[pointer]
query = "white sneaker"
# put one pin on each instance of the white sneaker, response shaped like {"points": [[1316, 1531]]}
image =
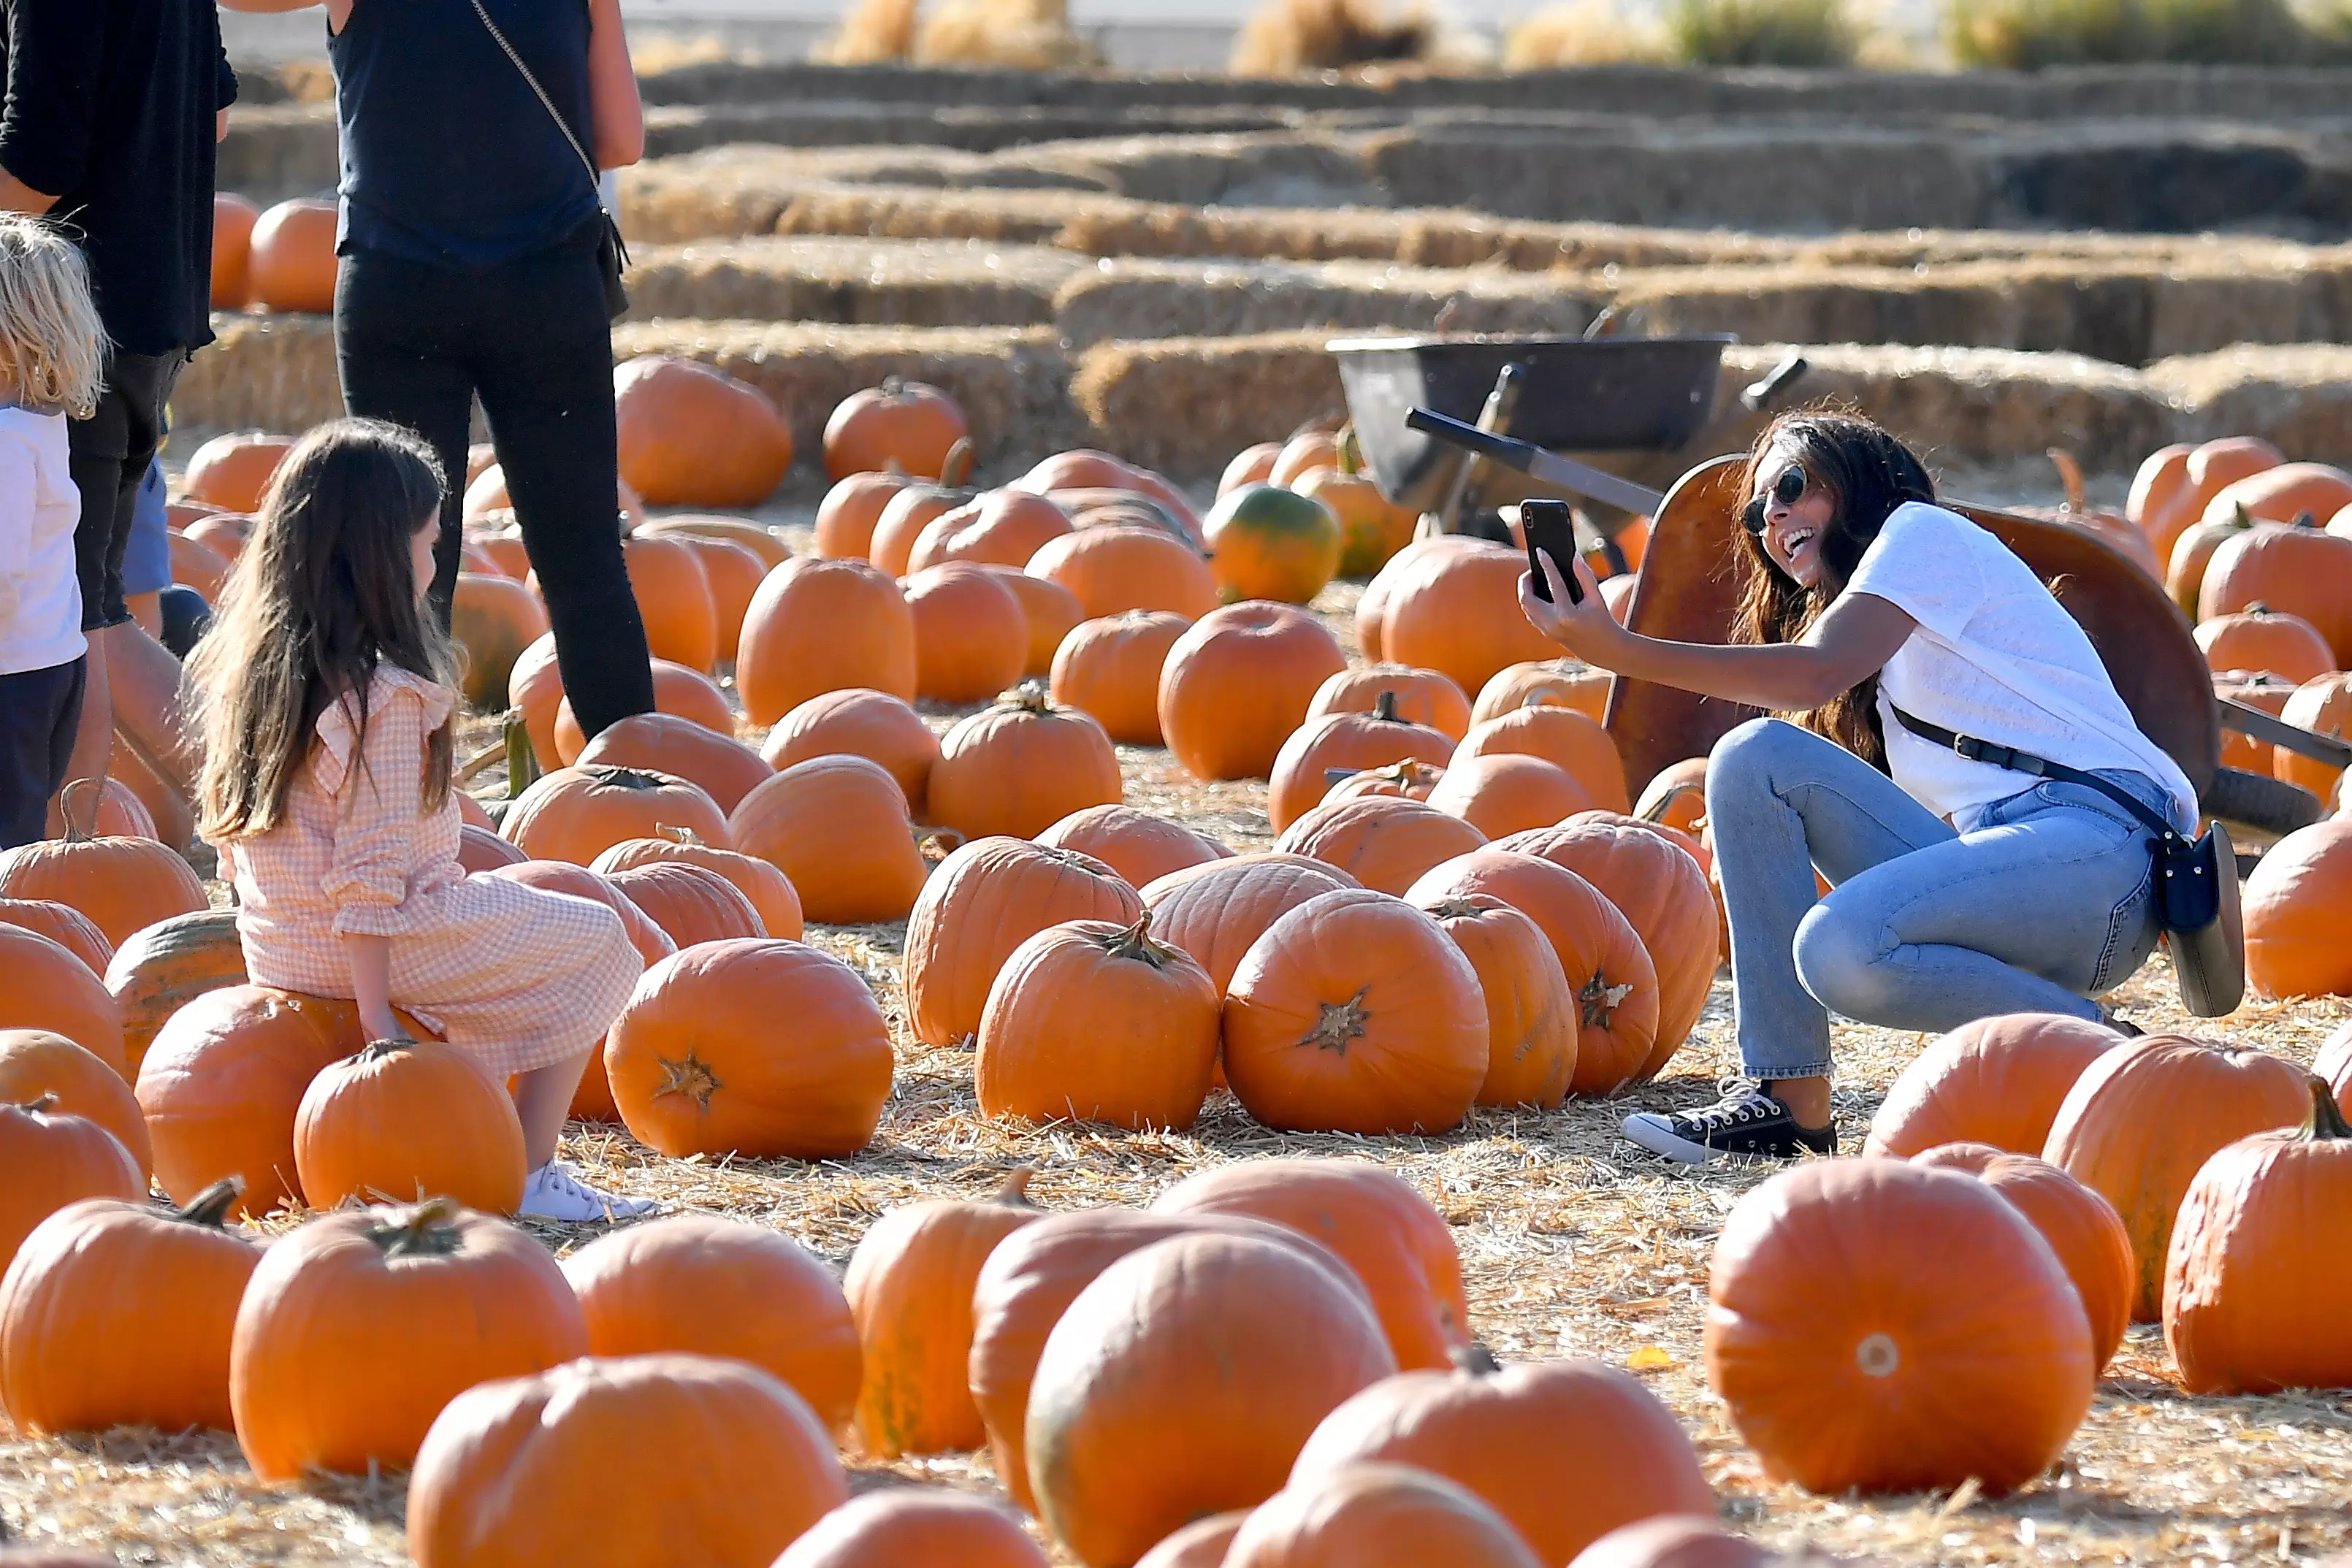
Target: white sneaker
{"points": [[554, 1193]]}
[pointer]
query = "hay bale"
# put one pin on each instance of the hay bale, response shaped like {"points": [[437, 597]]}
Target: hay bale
{"points": [[1264, 169], [1020, 217], [905, 283], [1185, 405], [262, 372], [1176, 298], [1783, 304], [279, 151], [2298, 396]]}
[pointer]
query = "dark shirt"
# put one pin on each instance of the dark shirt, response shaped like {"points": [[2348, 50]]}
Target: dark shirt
{"points": [[111, 109], [448, 156]]}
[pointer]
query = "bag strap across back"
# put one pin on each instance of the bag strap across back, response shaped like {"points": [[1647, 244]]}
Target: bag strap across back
{"points": [[545, 102]]}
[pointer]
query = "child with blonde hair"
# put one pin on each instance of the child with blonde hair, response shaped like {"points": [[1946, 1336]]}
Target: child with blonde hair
{"points": [[328, 787], [51, 346]]}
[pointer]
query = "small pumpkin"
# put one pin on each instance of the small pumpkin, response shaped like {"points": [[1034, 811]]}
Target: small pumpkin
{"points": [[859, 721], [1138, 846], [836, 826], [1564, 736], [577, 813], [1377, 1516], [231, 473], [2255, 688], [1001, 527], [1373, 529], [1238, 682], [733, 573], [1556, 683], [49, 1158], [1268, 542], [1675, 1540], [1052, 612], [407, 1121], [122, 884], [1372, 605], [1110, 668], [691, 903], [846, 518], [1114, 569], [972, 636], [292, 265], [2300, 572], [195, 564], [908, 425], [672, 594], [984, 900], [1531, 1020], [1419, 696], [914, 1524], [1021, 766], [678, 692], [2263, 638], [2334, 1063], [1506, 793], [1250, 465], [818, 626], [1308, 450], [50, 988], [493, 619], [2081, 1227], [768, 890], [1385, 842], [722, 767], [35, 1063], [1215, 911], [1346, 742], [1398, 780], [2322, 706], [1088, 470], [1998, 1080], [766, 544], [2294, 907], [693, 436]]}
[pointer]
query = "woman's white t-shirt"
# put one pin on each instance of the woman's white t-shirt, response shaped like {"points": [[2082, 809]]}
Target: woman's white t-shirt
{"points": [[40, 597], [1995, 656]]}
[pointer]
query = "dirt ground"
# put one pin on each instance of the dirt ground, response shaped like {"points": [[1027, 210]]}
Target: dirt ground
{"points": [[1573, 1243]]}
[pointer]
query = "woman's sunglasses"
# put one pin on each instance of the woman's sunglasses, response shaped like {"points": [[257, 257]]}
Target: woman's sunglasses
{"points": [[1787, 489]]}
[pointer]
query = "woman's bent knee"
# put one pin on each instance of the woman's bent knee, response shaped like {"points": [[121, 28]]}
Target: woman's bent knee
{"points": [[1845, 964], [1749, 756]]}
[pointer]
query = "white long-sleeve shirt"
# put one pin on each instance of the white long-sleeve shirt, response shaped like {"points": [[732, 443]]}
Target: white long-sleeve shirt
{"points": [[40, 597]]}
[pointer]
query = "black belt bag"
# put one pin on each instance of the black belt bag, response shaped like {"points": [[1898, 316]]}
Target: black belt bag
{"points": [[2196, 879]]}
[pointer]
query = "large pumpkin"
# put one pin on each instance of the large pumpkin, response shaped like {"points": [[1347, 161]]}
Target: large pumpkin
{"points": [[51, 1158], [909, 427], [1268, 542], [1345, 742], [910, 1287], [905, 1525], [2294, 909], [577, 813], [694, 436], [1565, 736], [356, 1329], [838, 827], [2145, 1116], [1377, 1516], [50, 988], [678, 692], [1998, 1080], [1238, 682], [691, 903], [1419, 696], [118, 1314], [1386, 842], [2284, 492], [2256, 1294], [1531, 1022], [672, 594], [497, 1478], [1217, 909], [972, 636], [1565, 1450], [2259, 638], [1110, 668], [734, 570], [1558, 683], [292, 263], [2324, 704], [1124, 566], [2298, 570], [768, 891], [722, 767], [1099, 471], [1021, 766], [1608, 971], [857, 722], [846, 517], [493, 619], [1001, 527], [1372, 606], [1182, 1381], [1399, 1244], [1458, 613], [36, 1064], [818, 626], [986, 900], [754, 1048], [122, 884], [231, 473], [1880, 1326], [1138, 846], [62, 924], [703, 1285], [2255, 688], [409, 1120]]}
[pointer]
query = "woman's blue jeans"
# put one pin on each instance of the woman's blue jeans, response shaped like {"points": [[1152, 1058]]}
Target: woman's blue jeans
{"points": [[2034, 904]]}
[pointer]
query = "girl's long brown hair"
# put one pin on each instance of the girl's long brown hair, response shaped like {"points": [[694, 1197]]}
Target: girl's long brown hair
{"points": [[322, 594], [1867, 474]]}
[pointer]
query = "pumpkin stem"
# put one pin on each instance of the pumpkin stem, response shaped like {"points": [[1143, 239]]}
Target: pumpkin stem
{"points": [[45, 1100], [378, 1050], [1339, 1023], [422, 1230], [1656, 812], [1135, 942], [685, 836], [1474, 1359], [957, 468], [1384, 707], [2301, 520], [1458, 907], [2256, 608], [1014, 1193], [1599, 1000], [1029, 696], [2070, 473], [1352, 451], [522, 762], [2325, 1123], [626, 778], [210, 1207], [691, 1077], [75, 833]]}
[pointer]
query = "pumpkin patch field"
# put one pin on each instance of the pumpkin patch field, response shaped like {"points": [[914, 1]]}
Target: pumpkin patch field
{"points": [[1165, 1113]]}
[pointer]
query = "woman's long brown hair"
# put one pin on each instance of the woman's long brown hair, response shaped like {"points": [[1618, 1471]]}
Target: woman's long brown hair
{"points": [[323, 593], [1867, 474]]}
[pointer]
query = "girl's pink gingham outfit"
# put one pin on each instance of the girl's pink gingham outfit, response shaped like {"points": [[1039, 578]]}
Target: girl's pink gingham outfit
{"points": [[520, 976]]}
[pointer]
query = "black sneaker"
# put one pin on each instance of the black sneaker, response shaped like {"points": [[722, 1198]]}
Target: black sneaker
{"points": [[1747, 1122]]}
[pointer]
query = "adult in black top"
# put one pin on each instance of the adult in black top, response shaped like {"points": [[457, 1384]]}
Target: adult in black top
{"points": [[113, 110], [469, 242]]}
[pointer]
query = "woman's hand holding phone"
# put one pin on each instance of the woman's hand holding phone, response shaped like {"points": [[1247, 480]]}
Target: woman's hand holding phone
{"points": [[1582, 625]]}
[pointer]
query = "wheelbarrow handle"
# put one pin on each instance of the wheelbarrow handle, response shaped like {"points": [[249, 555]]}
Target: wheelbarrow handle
{"points": [[1578, 478], [2256, 724]]}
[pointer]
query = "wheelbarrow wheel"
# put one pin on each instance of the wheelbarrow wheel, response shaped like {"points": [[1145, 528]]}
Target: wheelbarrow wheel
{"points": [[2259, 801]]}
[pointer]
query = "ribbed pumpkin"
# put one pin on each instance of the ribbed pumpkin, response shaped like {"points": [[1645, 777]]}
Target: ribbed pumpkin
{"points": [[1564, 736], [733, 573], [2324, 706], [1998, 1080], [50, 988], [2257, 1290], [1419, 696], [122, 884], [497, 1478], [986, 900], [703, 1285], [846, 518], [2294, 908], [1399, 1247], [818, 626], [2284, 492], [1271, 543], [62, 924], [673, 595], [1345, 742], [35, 1063], [1383, 841], [1662, 892], [1565, 1450], [1138, 846], [699, 1065], [1120, 568], [972, 637], [1458, 613], [1084, 469], [2261, 638], [1531, 1019], [1377, 1516], [1238, 682], [720, 765], [859, 721], [1399, 780], [1097, 1021], [405, 1121], [2081, 1227], [679, 692], [1508, 793], [577, 813], [1372, 607], [768, 892], [904, 424], [2145, 1116], [49, 1158], [493, 619], [1608, 969], [909, 1288], [838, 827], [2215, 465], [157, 1287], [1253, 1340], [914, 508], [2297, 571], [1216, 911], [691, 903], [1558, 683], [1002, 527], [1110, 668], [915, 1524], [694, 436], [1021, 766], [1879, 1326], [292, 265]]}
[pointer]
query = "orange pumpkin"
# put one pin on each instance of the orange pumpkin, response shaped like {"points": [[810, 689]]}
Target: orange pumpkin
{"points": [[1565, 1450], [1250, 465], [703, 1285], [2324, 705], [836, 826], [1385, 842], [1879, 1326], [673, 597], [1051, 610], [122, 884], [846, 518], [755, 1468], [2144, 1117], [1399, 781], [914, 1524], [292, 261], [691, 903], [1003, 527], [1111, 667], [121, 814], [1138, 846], [2295, 570], [1608, 969], [1558, 683], [157, 1286], [1307, 452], [857, 722], [1377, 1516], [1563, 737], [2162, 475], [2081, 1227], [1344, 742], [1087, 470], [2214, 465], [1420, 697], [52, 1158], [197, 565], [224, 533], [766, 545], [1217, 909], [576, 813], [1505, 792], [2255, 688], [767, 890], [972, 637], [35, 1063], [2192, 555], [1252, 1339], [232, 274], [986, 900], [2334, 1063], [592, 1100], [910, 1285], [714, 761], [1021, 766], [535, 687], [698, 1067], [479, 849], [1373, 529], [905, 518], [908, 425], [1676, 1541], [733, 574], [695, 437], [1238, 683], [1998, 1080], [1117, 569], [2259, 638], [62, 924], [1268, 542], [818, 626], [1372, 606], [50, 988], [494, 619], [2294, 908], [2282, 493], [679, 692], [1531, 1022], [1459, 612], [409, 1119]]}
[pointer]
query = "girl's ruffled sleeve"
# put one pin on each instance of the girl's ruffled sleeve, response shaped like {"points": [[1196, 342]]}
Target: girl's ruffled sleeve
{"points": [[377, 780]]}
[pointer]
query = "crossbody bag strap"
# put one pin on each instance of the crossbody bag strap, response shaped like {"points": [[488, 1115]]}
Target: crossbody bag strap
{"points": [[545, 102], [2009, 757]]}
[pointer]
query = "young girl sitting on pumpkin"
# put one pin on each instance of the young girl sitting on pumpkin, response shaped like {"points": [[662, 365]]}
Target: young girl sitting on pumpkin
{"points": [[327, 786]]}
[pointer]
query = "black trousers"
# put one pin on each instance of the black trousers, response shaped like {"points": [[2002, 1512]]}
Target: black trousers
{"points": [[109, 454], [39, 711], [416, 344]]}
